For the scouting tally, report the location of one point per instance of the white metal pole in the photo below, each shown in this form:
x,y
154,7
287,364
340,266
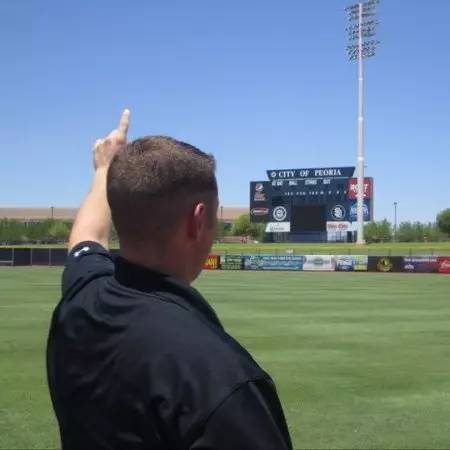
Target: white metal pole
x,y
360,164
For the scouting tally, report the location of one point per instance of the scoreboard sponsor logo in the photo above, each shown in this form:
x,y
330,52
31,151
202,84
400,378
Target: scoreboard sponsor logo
x,y
280,213
338,212
339,227
353,216
259,195
353,188
278,227
259,211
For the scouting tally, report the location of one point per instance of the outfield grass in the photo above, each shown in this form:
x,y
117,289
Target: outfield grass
x,y
360,360
399,249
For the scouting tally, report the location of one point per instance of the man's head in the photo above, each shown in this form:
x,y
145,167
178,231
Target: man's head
x,y
163,199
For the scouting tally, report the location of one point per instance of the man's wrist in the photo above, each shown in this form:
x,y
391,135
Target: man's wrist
x,y
99,180
101,172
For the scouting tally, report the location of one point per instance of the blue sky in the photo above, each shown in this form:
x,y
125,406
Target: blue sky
x,y
261,84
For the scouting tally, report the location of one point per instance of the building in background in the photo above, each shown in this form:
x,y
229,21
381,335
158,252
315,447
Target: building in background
x,y
310,205
25,215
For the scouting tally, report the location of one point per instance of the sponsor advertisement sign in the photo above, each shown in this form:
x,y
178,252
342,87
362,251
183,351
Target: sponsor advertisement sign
x,y
278,227
444,264
212,262
338,227
279,214
258,191
421,264
352,263
353,188
273,262
353,214
338,213
259,211
386,264
231,262
319,263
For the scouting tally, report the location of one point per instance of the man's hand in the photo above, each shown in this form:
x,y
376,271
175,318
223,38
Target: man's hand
x,y
105,149
93,221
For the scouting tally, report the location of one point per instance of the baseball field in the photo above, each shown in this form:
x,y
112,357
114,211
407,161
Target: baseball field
x,y
361,360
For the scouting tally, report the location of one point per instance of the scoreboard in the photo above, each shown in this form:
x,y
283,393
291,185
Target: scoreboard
x,y
309,200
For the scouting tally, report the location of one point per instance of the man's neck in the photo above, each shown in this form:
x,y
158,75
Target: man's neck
x,y
156,260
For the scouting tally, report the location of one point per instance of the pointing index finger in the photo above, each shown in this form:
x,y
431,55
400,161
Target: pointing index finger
x,y
124,122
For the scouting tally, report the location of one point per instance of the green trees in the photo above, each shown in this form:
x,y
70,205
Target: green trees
x,y
383,231
378,231
15,232
243,227
48,231
223,229
443,221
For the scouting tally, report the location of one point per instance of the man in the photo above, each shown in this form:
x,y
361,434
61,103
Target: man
x,y
136,358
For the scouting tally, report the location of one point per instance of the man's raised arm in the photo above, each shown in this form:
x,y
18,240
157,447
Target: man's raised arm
x,y
93,220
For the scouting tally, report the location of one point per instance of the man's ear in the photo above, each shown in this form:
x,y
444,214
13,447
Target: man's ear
x,y
197,219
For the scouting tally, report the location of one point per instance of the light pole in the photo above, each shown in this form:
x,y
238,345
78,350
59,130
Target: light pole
x,y
52,212
358,52
395,221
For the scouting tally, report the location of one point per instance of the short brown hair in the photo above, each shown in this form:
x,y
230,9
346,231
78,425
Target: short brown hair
x,y
153,181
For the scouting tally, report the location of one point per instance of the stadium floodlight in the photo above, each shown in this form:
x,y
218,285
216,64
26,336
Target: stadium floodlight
x,y
365,28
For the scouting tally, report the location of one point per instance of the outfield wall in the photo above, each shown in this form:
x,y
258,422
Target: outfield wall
x,y
308,263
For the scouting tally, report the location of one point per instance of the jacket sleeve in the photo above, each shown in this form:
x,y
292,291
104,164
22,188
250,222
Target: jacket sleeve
x,y
251,418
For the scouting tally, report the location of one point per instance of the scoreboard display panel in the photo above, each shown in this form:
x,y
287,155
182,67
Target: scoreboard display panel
x,y
308,200
308,218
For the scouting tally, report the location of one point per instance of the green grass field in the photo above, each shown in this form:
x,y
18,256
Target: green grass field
x,y
399,249
360,360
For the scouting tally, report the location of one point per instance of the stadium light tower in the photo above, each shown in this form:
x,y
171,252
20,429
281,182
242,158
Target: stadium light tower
x,y
365,48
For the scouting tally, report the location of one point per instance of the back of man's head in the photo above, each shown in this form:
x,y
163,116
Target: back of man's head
x,y
156,185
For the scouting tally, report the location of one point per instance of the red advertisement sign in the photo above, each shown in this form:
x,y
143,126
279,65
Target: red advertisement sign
x,y
259,211
353,188
212,263
444,264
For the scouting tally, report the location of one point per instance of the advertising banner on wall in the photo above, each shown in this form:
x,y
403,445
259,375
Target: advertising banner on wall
x,y
421,264
319,263
231,262
444,264
273,262
352,263
212,263
386,264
